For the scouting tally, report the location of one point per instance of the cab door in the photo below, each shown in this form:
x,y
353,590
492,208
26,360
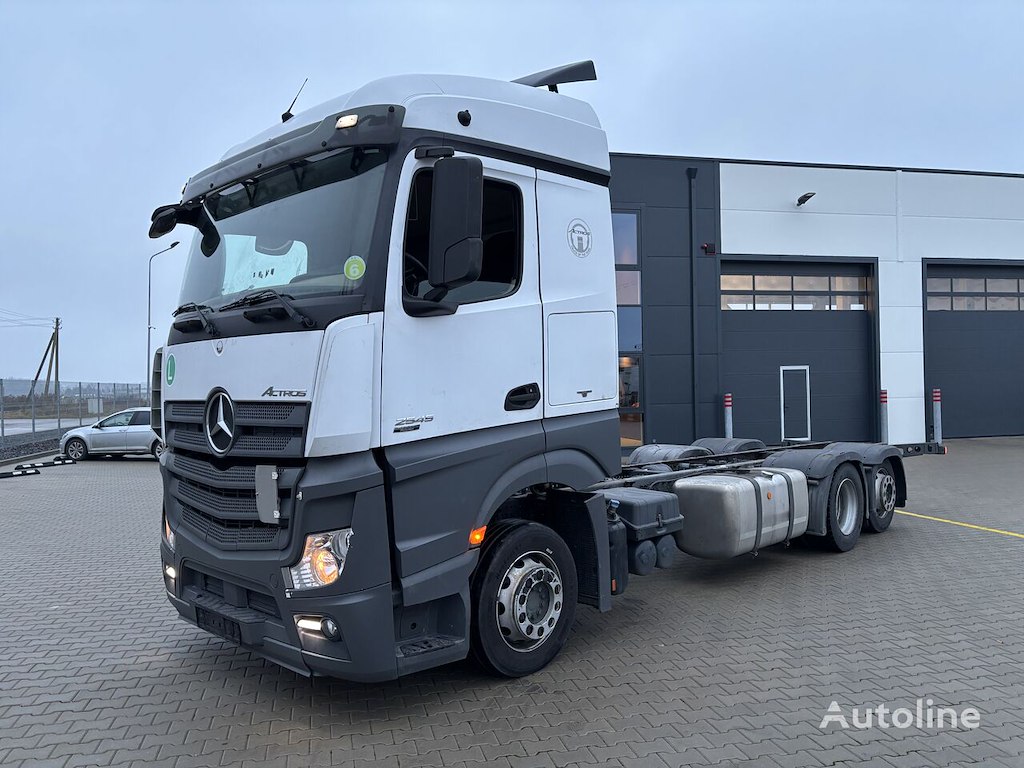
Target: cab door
x,y
481,367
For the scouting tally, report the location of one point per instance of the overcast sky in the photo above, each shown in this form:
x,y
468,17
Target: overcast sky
x,y
106,108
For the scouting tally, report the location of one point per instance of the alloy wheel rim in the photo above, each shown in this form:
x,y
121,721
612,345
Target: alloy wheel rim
x,y
846,506
885,491
529,602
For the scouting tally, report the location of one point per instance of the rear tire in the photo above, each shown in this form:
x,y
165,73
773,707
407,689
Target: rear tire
x,y
845,509
76,449
881,513
157,449
523,598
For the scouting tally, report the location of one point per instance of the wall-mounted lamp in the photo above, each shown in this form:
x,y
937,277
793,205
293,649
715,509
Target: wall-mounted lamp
x,y
804,198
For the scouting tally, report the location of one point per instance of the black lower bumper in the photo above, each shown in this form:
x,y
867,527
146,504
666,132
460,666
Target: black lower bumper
x,y
361,654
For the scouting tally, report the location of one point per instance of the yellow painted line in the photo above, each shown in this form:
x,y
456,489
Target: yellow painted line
x,y
963,525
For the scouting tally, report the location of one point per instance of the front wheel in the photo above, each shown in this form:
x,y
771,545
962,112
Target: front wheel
x,y
845,508
76,449
157,449
523,600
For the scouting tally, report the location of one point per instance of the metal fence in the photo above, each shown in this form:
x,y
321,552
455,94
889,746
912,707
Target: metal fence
x,y
26,414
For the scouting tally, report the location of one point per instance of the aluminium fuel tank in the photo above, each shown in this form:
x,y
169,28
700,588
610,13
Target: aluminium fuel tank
x,y
732,513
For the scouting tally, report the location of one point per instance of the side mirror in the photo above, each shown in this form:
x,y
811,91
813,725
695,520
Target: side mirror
x,y
456,222
97,425
164,219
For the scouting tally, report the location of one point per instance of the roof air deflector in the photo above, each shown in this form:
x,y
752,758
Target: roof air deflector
x,y
581,71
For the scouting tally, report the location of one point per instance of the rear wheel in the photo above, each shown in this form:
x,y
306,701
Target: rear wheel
x,y
880,514
845,508
523,600
76,449
157,449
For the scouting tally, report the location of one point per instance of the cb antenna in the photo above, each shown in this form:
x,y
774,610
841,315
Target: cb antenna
x,y
288,112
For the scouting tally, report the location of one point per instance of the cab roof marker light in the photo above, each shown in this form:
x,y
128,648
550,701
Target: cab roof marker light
x,y
346,121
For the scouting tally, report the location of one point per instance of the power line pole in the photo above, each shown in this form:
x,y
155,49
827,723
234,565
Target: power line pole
x,y
56,365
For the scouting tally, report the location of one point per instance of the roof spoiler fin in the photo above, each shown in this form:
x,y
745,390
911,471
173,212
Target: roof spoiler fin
x,y
579,72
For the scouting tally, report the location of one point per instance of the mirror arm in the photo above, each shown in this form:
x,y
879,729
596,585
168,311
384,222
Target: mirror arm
x,y
425,307
194,215
436,294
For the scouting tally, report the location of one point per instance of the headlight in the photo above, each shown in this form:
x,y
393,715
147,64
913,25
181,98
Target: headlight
x,y
323,559
168,533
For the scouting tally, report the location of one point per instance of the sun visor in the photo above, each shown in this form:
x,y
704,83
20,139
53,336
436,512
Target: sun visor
x,y
378,125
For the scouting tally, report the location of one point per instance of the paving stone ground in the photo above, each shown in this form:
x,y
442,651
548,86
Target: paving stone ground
x,y
731,663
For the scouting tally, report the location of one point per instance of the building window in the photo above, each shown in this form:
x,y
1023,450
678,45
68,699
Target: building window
x,y
625,235
631,416
627,288
790,292
974,294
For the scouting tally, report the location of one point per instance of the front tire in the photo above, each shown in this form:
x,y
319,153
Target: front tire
x,y
76,449
523,600
845,508
157,449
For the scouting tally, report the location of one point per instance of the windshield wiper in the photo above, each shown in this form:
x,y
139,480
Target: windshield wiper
x,y
192,323
269,294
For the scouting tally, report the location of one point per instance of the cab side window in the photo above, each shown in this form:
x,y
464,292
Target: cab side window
x,y
502,235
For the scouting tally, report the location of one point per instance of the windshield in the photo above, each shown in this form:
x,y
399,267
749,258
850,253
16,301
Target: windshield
x,y
300,228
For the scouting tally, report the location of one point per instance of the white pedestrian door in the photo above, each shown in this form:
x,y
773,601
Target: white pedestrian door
x,y
795,402
483,365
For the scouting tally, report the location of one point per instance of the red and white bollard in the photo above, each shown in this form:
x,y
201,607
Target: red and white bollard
x,y
937,416
728,414
883,412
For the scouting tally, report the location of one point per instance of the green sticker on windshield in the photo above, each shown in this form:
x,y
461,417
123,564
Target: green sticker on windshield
x,y
355,267
170,370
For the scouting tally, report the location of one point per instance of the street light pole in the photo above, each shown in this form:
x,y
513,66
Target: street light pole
x,y
149,319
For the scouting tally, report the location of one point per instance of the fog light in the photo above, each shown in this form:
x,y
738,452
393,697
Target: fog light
x,y
308,624
169,572
330,629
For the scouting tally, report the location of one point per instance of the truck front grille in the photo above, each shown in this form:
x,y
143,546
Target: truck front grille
x,y
243,476
215,497
269,431
231,534
225,503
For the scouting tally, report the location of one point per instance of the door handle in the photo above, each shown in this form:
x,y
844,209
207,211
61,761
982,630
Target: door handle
x,y
522,398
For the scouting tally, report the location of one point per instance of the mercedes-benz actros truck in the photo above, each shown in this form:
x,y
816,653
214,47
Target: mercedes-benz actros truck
x,y
389,396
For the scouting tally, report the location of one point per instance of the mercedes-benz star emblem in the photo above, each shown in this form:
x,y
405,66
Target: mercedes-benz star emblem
x,y
220,423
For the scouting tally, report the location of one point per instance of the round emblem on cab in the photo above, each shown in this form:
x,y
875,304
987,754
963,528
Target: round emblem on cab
x,y
580,239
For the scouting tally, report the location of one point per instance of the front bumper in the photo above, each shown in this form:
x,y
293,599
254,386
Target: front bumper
x,y
236,587
360,654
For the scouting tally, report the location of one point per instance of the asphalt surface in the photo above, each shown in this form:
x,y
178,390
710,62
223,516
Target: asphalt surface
x,y
733,663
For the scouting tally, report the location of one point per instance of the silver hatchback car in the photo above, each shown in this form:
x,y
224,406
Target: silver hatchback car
x,y
124,432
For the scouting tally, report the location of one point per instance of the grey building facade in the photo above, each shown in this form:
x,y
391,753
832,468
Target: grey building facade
x,y
805,311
